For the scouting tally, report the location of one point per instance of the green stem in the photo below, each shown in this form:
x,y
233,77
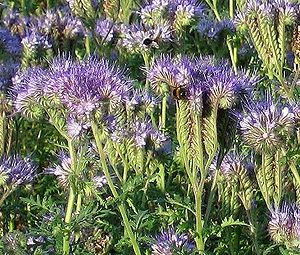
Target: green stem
x,y
211,197
253,231
295,172
113,189
147,65
87,44
78,207
199,226
71,201
264,187
162,177
68,216
163,112
6,194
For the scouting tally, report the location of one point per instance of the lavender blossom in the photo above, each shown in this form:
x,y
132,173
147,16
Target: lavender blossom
x,y
284,224
139,39
17,171
105,29
81,87
269,11
27,91
145,134
266,125
10,43
200,76
185,12
33,41
142,101
168,242
62,170
215,29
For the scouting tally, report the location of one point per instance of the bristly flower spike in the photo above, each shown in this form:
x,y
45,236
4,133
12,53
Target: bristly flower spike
x,y
266,125
168,242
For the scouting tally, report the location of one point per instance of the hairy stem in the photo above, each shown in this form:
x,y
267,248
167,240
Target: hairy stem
x,y
113,189
71,201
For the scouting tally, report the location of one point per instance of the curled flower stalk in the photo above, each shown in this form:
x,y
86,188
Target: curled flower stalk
x,y
14,172
268,128
196,84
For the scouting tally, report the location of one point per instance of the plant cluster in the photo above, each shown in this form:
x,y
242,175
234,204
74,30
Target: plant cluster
x,y
162,127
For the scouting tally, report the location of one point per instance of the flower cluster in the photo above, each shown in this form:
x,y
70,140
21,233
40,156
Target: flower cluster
x,y
284,224
215,30
105,28
201,76
266,125
140,38
267,10
178,13
143,134
81,87
40,32
169,242
62,170
15,170
160,22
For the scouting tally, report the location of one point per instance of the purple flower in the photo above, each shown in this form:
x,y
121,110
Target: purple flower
x,y
284,224
266,125
215,29
16,170
105,29
233,165
185,11
34,40
145,135
27,91
138,38
168,242
224,87
62,170
269,11
81,87
142,100
7,71
11,43
199,76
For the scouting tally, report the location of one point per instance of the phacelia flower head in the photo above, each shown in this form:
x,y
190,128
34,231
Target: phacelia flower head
x,y
224,87
284,224
16,170
142,101
174,72
105,29
215,29
62,170
269,11
144,135
168,242
139,39
266,125
9,42
27,91
82,87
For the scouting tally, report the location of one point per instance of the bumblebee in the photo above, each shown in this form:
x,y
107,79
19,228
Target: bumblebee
x,y
148,41
179,93
154,38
